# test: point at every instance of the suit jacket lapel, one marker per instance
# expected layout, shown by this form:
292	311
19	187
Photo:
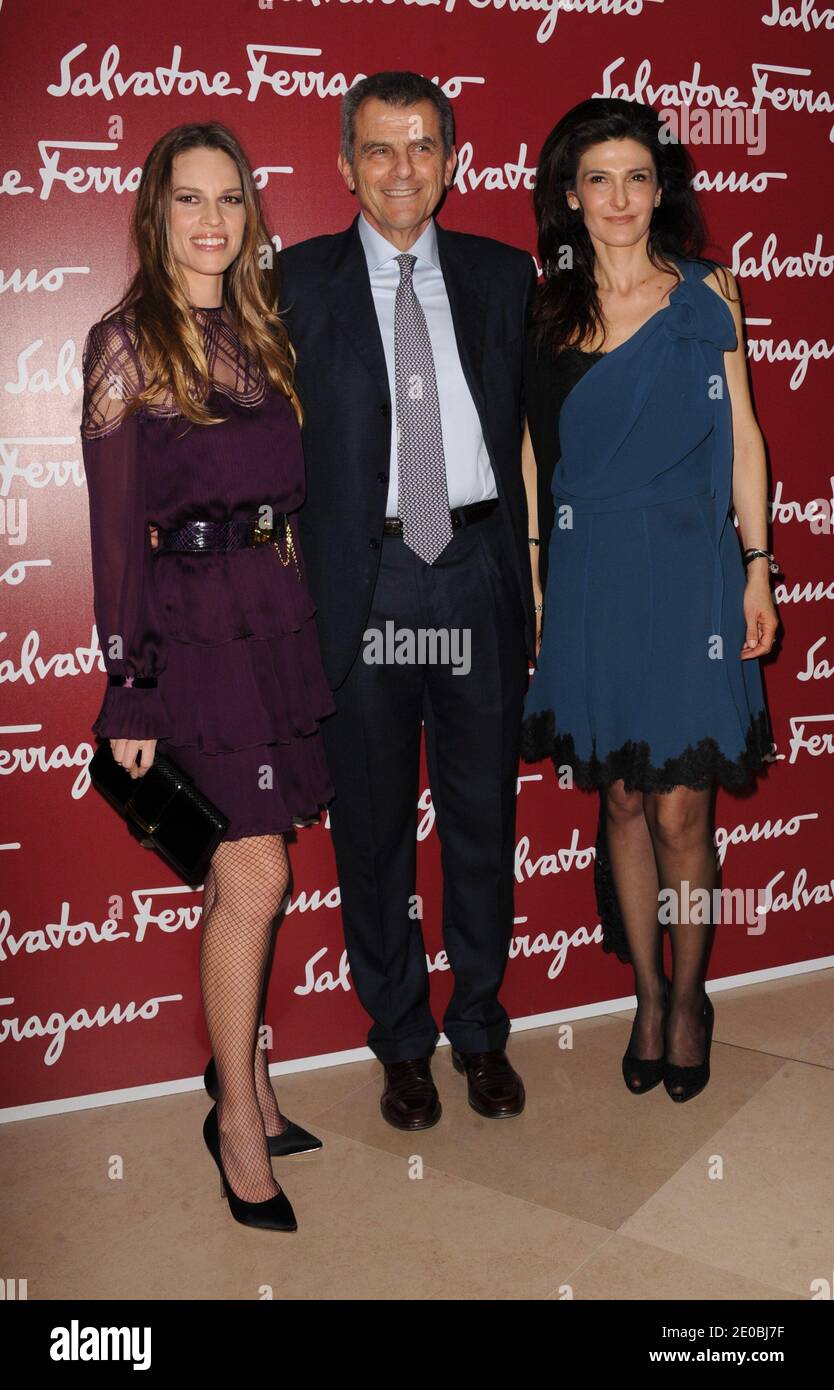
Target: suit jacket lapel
351	301
468	305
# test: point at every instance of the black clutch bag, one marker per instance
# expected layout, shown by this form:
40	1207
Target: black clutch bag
163	810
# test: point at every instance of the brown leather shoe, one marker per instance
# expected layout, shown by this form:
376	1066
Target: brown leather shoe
495	1089
409	1098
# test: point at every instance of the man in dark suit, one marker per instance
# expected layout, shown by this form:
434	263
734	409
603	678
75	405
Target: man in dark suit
410	343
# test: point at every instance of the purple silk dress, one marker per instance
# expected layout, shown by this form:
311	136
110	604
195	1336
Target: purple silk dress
230	637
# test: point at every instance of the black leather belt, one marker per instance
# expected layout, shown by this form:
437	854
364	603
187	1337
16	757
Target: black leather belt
220	535
461	516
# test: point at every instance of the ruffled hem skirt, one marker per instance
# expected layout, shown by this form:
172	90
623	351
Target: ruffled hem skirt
243	720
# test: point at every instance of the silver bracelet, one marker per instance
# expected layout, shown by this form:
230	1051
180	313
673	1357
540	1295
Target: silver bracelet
753	553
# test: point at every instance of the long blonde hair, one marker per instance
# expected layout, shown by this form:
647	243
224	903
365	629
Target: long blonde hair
170	342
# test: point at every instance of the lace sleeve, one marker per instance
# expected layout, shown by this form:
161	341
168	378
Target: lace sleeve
112	376
127	615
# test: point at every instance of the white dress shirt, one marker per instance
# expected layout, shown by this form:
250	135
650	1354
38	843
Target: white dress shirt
469	475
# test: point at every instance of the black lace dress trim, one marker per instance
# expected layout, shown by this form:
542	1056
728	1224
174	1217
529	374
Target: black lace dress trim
698	766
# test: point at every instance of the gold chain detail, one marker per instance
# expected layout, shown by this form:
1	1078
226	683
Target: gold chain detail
290	548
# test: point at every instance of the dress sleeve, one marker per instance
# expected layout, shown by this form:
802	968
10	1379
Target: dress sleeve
130	631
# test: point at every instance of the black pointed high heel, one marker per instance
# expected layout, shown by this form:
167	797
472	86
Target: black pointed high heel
692	1079
293	1140
648	1070
275	1214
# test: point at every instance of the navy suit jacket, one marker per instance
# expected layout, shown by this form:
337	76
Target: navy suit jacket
341	377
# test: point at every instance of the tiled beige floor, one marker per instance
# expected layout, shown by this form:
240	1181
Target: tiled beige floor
592	1193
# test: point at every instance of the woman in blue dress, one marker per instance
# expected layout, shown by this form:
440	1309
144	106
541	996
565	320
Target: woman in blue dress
640	435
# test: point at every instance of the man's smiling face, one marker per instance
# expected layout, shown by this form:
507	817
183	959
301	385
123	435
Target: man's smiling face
399	169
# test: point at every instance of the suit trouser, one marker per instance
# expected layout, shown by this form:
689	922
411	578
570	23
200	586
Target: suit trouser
472	722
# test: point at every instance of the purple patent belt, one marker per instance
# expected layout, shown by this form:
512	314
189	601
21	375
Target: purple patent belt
221	535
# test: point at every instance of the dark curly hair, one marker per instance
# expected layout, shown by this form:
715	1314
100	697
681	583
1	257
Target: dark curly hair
566	307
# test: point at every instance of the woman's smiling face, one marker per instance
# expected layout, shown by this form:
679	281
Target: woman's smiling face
616	185
206	218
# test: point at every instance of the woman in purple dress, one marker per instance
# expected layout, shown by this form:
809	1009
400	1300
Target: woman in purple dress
191	426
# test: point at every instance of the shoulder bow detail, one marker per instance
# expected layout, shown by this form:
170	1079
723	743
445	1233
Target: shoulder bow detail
696	311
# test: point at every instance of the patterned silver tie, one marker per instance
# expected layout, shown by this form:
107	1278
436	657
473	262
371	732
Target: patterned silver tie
421	466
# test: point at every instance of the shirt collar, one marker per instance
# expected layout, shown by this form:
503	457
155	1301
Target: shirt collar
378	249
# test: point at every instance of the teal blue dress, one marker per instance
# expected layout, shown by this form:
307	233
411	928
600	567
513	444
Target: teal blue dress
640	676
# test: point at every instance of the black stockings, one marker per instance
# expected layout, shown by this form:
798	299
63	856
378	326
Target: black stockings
244	888
663	840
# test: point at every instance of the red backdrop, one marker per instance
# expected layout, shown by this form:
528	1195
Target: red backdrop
98	942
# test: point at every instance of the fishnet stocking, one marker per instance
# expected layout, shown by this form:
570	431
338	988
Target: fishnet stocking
244	888
274	1121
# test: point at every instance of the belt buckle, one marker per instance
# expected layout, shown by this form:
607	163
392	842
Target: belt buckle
259	535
